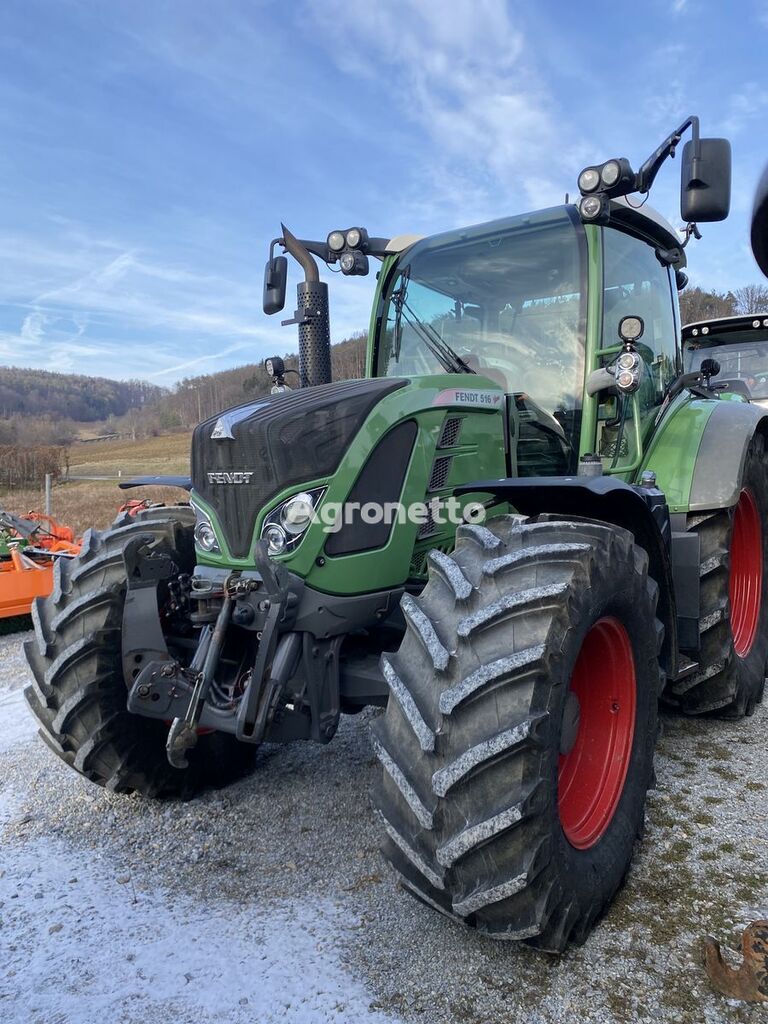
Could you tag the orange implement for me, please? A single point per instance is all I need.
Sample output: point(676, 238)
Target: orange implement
point(22, 579)
point(26, 564)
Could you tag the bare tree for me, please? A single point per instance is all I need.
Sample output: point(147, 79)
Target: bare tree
point(697, 304)
point(752, 298)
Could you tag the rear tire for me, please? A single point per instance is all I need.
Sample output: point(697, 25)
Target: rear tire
point(733, 601)
point(79, 694)
point(474, 792)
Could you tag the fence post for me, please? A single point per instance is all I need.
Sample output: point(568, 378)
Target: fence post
point(47, 494)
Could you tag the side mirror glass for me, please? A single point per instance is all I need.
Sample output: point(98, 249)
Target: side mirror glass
point(705, 183)
point(760, 224)
point(275, 280)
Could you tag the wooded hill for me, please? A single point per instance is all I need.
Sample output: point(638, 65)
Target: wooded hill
point(196, 398)
point(697, 304)
point(40, 407)
point(32, 392)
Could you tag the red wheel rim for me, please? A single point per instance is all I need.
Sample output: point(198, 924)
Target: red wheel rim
point(591, 774)
point(745, 584)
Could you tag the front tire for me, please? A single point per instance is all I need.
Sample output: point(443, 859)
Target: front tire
point(79, 695)
point(496, 809)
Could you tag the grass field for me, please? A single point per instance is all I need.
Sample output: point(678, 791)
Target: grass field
point(85, 503)
point(166, 454)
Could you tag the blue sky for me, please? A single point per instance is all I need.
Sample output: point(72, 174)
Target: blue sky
point(151, 149)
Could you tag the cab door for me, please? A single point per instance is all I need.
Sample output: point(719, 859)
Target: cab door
point(636, 283)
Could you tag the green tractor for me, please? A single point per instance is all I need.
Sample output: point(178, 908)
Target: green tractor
point(522, 530)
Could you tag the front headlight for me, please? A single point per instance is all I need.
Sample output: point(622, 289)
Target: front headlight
point(205, 535)
point(286, 525)
point(297, 513)
point(275, 538)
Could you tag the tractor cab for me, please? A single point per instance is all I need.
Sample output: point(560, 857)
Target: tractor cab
point(533, 304)
point(739, 344)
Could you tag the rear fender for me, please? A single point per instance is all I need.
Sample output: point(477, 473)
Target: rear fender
point(719, 468)
point(697, 453)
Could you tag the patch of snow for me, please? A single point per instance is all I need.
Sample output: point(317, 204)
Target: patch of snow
point(80, 942)
point(16, 721)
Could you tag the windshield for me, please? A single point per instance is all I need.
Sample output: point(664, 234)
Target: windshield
point(504, 300)
point(741, 355)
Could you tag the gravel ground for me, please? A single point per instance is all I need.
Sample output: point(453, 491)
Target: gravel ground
point(274, 889)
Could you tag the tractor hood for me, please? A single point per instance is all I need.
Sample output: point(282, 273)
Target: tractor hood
point(243, 457)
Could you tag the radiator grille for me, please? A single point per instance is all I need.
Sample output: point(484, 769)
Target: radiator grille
point(449, 435)
point(440, 470)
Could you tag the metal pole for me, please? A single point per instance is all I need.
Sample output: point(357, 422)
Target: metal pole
point(48, 479)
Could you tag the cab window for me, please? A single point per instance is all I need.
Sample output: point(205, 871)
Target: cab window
point(637, 284)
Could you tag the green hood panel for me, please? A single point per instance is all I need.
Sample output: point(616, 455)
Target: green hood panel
point(477, 451)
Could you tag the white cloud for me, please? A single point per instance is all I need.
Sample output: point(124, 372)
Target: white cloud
point(33, 327)
point(172, 372)
point(81, 298)
point(744, 106)
point(461, 75)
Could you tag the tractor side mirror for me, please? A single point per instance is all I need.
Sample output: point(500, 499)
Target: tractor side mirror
point(705, 181)
point(760, 224)
point(275, 280)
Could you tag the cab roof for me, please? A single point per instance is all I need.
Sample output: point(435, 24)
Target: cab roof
point(633, 214)
point(637, 215)
point(725, 324)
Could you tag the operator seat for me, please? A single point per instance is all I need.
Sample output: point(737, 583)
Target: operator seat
point(491, 372)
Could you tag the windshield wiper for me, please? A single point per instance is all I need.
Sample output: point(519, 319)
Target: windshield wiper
point(440, 349)
point(445, 355)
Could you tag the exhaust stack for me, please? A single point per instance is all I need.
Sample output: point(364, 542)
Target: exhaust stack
point(312, 317)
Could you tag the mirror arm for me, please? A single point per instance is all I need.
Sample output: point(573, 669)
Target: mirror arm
point(378, 247)
point(652, 166)
point(301, 254)
point(691, 231)
point(373, 247)
point(319, 249)
point(696, 382)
